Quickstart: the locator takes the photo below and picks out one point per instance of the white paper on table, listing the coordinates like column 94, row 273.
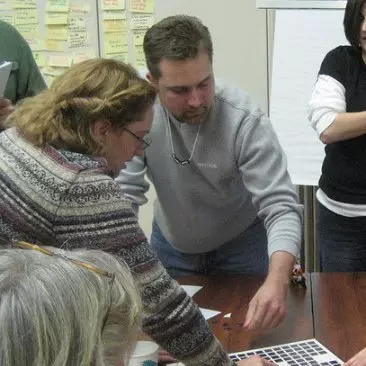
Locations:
column 5, row 69
column 208, row 314
column 191, row 290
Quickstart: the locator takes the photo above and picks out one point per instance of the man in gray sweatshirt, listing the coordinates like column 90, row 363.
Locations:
column 225, row 201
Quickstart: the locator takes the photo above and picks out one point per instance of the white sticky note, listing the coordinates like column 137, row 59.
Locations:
column 208, row 314
column 62, row 6
column 114, row 15
column 5, row 69
column 141, row 21
column 191, row 290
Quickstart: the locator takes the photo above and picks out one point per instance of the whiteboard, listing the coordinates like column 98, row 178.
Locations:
column 301, row 41
column 301, row 4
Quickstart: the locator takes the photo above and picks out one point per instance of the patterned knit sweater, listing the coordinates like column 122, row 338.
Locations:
column 69, row 200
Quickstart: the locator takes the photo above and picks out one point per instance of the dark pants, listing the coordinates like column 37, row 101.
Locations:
column 341, row 241
column 246, row 253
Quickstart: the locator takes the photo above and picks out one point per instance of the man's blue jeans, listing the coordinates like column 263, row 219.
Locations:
column 246, row 253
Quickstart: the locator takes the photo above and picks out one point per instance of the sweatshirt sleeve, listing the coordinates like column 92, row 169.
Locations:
column 263, row 164
column 133, row 183
column 94, row 213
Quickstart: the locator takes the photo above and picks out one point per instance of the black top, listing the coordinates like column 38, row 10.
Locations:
column 344, row 168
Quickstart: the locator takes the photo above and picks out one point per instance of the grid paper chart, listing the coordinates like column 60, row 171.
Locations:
column 304, row 353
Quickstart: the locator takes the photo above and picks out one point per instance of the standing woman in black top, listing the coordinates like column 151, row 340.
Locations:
column 337, row 111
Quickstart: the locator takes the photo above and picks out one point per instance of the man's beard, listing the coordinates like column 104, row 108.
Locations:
column 194, row 117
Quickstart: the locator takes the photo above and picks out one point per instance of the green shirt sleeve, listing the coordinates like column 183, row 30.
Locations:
column 30, row 80
column 25, row 78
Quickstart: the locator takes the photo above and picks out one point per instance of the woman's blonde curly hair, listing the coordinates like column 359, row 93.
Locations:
column 63, row 115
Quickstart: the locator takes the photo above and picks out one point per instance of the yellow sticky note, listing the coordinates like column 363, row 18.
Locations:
column 138, row 37
column 24, row 4
column 80, row 8
column 142, row 21
column 113, row 4
column 48, row 71
column 60, row 60
column 40, row 58
column 54, row 71
column 117, row 25
column 115, row 42
column 84, row 55
column 7, row 17
column 54, row 45
column 25, row 16
column 123, row 56
column 56, row 18
column 142, row 6
column 48, row 78
column 114, row 14
column 57, row 5
column 59, row 32
column 36, row 44
column 139, row 57
column 29, row 31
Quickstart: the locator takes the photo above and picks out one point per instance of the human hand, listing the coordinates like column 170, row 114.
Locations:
column 255, row 361
column 357, row 360
column 165, row 356
column 6, row 108
column 267, row 308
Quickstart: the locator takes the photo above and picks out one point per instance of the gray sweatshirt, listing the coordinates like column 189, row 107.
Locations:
column 238, row 171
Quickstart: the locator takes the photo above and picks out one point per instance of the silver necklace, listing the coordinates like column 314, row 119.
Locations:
column 173, row 155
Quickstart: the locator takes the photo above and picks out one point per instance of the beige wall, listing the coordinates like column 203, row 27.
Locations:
column 241, row 45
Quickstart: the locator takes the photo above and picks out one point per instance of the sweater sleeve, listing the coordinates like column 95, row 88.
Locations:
column 95, row 214
column 263, row 164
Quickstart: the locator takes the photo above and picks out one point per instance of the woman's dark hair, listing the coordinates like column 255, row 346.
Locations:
column 352, row 21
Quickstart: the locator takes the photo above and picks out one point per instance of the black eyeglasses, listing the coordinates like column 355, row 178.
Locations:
column 146, row 142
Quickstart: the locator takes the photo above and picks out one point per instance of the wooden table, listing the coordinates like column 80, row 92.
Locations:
column 231, row 294
column 339, row 311
column 332, row 309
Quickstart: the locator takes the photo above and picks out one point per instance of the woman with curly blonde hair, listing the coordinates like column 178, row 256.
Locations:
column 59, row 158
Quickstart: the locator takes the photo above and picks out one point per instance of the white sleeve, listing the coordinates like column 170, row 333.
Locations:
column 327, row 101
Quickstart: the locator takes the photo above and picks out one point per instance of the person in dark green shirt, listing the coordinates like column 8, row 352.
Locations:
column 25, row 79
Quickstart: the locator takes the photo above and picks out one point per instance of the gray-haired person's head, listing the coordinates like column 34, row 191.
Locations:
column 177, row 38
column 55, row 312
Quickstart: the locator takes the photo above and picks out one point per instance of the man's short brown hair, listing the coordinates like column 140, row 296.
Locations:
column 177, row 37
